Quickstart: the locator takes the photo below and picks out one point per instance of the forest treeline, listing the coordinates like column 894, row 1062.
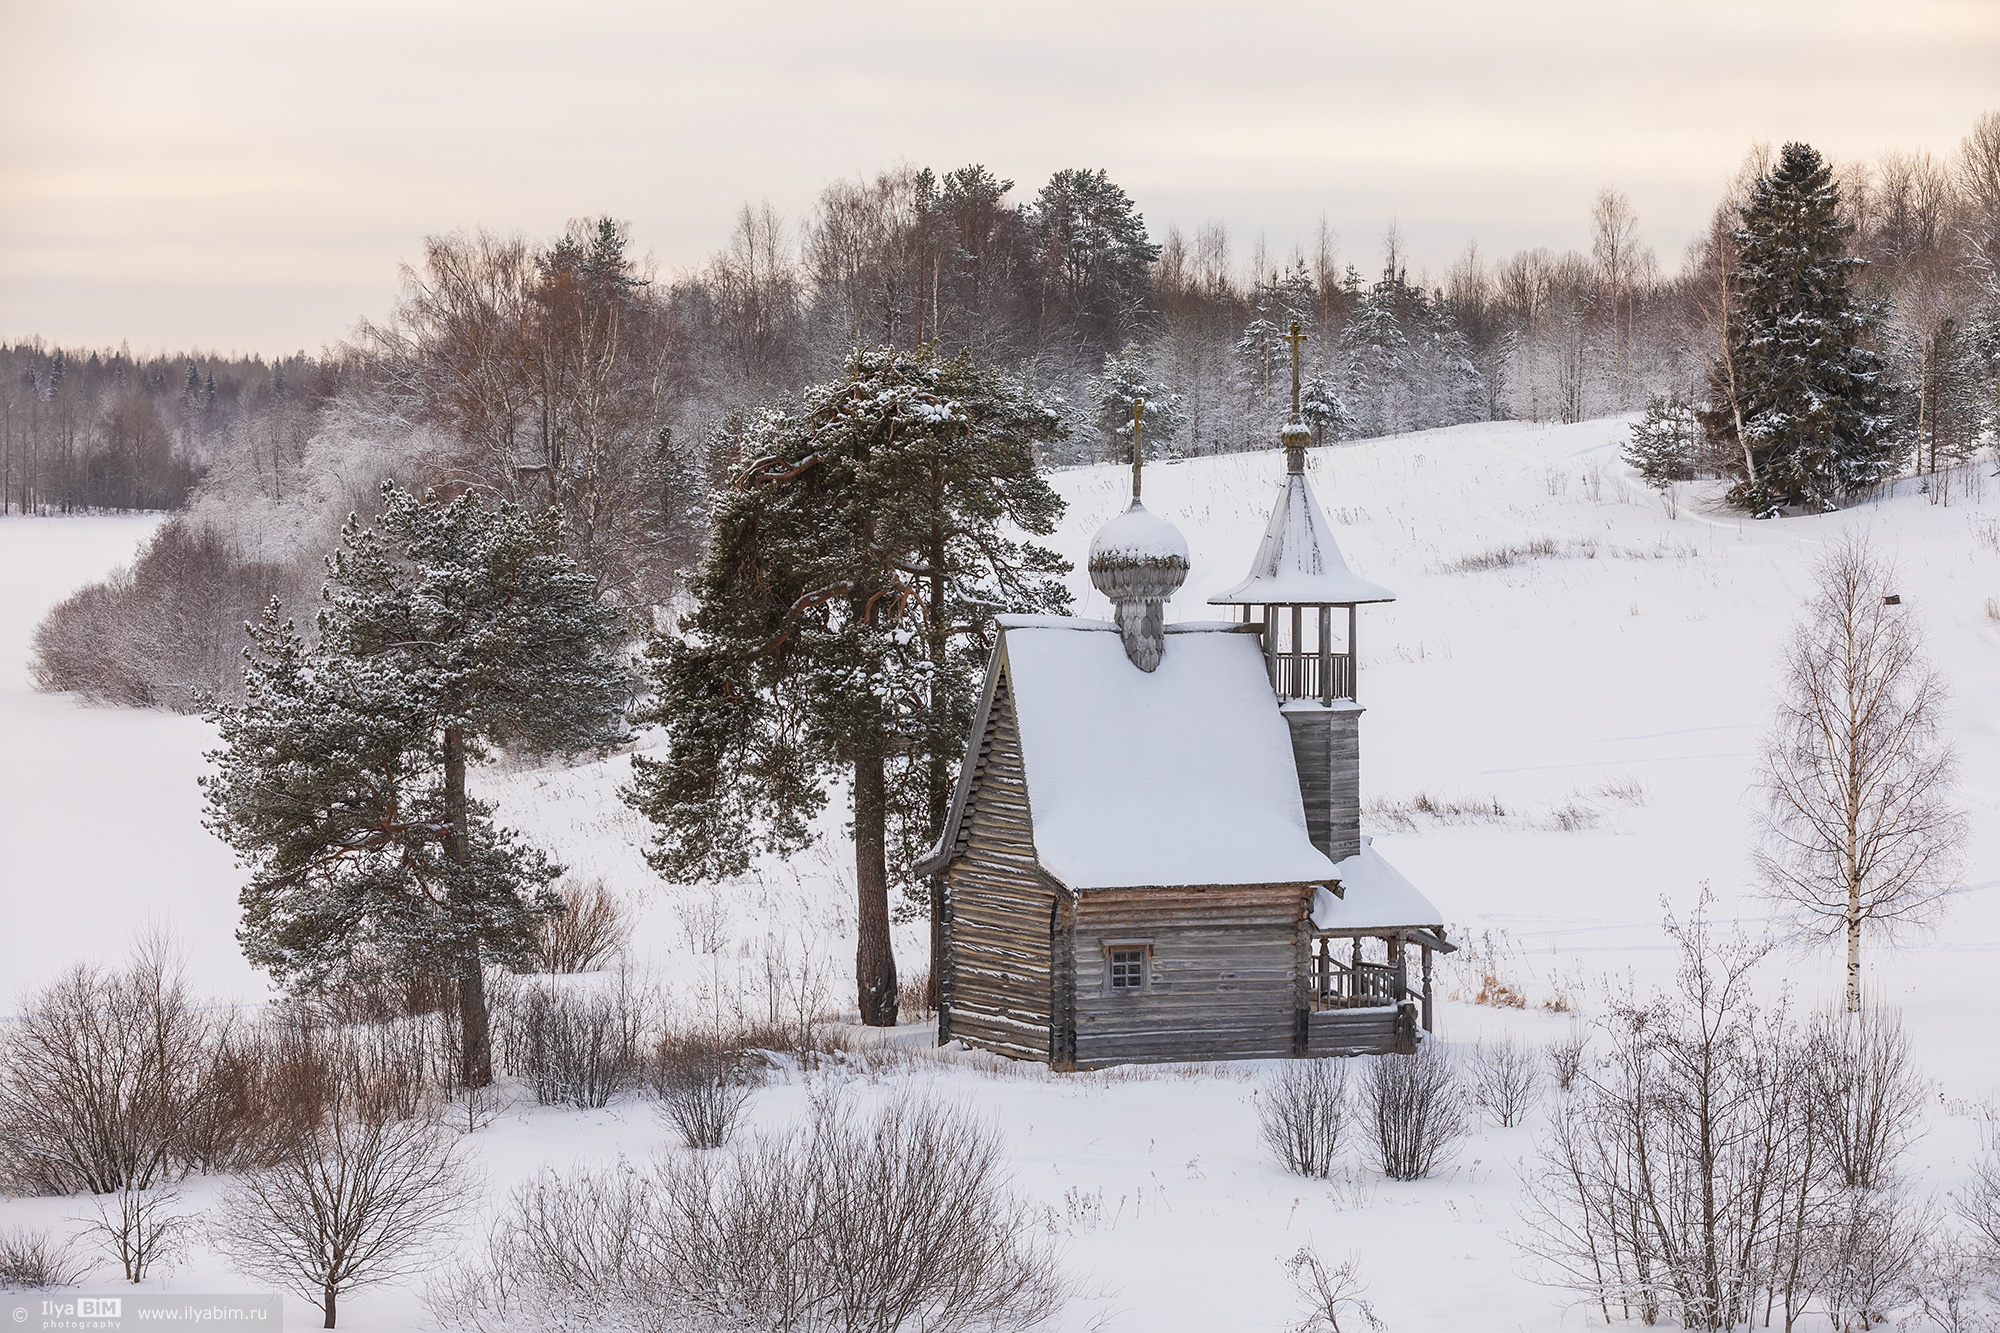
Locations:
column 567, row 372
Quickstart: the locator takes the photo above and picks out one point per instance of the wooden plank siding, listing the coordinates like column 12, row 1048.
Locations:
column 1000, row 979
column 1224, row 975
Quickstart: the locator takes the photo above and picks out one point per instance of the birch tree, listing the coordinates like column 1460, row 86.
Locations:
column 1857, row 828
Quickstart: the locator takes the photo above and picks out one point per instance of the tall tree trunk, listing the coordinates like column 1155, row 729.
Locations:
column 940, row 778
column 1853, row 946
column 874, row 956
column 327, row 1297
column 476, row 1040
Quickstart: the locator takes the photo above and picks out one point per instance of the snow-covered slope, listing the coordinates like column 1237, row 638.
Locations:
column 1572, row 684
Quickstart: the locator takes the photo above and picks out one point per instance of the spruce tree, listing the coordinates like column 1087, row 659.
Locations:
column 447, row 630
column 1121, row 383
column 1797, row 403
column 841, row 621
column 1662, row 444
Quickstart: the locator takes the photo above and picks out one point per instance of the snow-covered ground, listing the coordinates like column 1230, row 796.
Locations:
column 1607, row 696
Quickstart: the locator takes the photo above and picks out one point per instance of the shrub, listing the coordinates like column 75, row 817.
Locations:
column 593, row 926
column 575, row 1049
column 1505, row 1083
column 913, row 998
column 1415, row 1106
column 899, row 1220
column 1303, row 1112
column 32, row 1261
column 165, row 632
column 105, row 1079
column 142, row 1229
column 1328, row 1292
column 1565, row 1057
column 1865, row 1087
column 703, row 1082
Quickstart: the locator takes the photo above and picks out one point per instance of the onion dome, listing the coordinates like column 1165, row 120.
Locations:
column 1138, row 561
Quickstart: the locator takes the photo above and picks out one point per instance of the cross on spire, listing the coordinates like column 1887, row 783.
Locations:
column 1297, row 339
column 1138, row 454
column 1295, row 435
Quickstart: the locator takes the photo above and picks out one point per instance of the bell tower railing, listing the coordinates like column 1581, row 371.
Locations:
column 1299, row 653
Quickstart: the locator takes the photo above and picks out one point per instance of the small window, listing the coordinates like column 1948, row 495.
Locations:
column 1128, row 970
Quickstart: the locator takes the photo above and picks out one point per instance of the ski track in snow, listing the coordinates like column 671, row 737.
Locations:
column 1554, row 682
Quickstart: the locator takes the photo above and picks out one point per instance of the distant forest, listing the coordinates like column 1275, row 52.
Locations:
column 560, row 371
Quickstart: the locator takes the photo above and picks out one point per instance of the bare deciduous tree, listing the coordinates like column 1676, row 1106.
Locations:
column 1680, row 1176
column 1857, row 828
column 1302, row 1113
column 104, row 1078
column 348, row 1203
column 142, row 1228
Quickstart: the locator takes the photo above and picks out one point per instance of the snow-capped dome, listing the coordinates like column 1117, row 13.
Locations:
column 1139, row 536
column 1138, row 560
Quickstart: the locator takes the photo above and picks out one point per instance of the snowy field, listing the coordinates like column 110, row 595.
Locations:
column 1608, row 696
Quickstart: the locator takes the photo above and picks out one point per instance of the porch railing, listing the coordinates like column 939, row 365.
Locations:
column 1340, row 985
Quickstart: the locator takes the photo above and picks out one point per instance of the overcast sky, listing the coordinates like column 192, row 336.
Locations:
column 247, row 176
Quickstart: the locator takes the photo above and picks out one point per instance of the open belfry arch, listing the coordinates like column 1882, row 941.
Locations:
column 1154, row 851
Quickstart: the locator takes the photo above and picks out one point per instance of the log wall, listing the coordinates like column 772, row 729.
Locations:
column 1225, row 973
column 1000, row 910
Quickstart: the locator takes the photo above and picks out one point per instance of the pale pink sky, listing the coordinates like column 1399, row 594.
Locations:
column 247, row 175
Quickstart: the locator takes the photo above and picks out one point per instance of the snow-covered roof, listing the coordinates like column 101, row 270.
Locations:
column 1183, row 775
column 1298, row 561
column 1374, row 896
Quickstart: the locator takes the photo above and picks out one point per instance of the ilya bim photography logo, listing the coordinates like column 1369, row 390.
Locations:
column 212, row 1314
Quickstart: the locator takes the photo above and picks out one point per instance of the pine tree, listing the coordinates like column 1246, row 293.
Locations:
column 841, row 620
column 1090, row 244
column 1805, row 416
column 447, row 630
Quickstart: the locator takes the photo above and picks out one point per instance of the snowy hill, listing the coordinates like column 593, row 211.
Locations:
column 1563, row 711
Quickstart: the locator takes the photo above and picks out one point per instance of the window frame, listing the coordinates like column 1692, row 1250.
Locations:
column 1113, row 948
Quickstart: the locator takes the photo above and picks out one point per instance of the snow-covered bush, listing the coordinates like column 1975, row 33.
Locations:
column 704, row 1081
column 1302, row 1112
column 1565, row 1057
column 575, row 1048
column 34, row 1261
column 899, row 1219
column 1505, row 1081
column 1415, row 1106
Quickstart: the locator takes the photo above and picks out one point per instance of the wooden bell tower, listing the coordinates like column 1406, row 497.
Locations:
column 1307, row 597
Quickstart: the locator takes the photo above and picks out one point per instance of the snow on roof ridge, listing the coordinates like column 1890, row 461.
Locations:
column 1011, row 621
